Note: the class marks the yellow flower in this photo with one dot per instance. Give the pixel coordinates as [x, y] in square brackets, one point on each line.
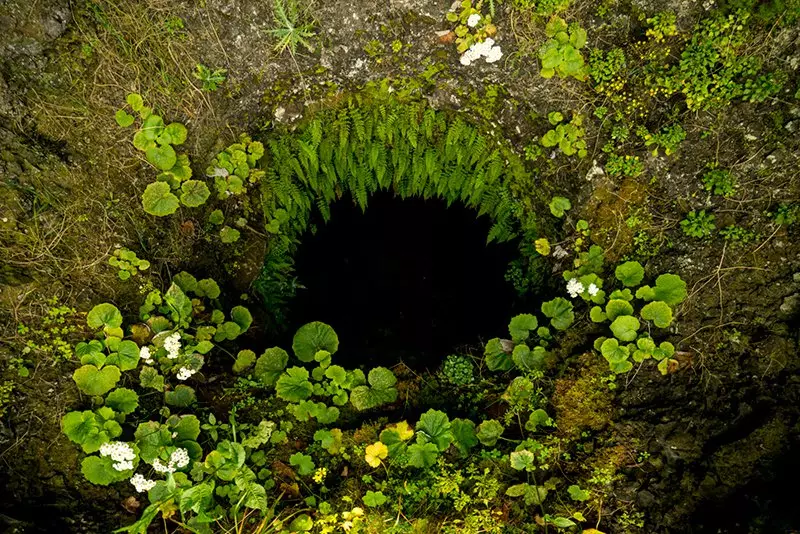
[375, 453]
[320, 474]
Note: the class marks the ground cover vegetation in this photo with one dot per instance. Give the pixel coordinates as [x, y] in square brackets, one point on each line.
[162, 166]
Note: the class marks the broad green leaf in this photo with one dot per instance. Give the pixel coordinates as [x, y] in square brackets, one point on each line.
[135, 101]
[658, 312]
[597, 315]
[158, 200]
[104, 315]
[527, 359]
[270, 365]
[123, 118]
[536, 419]
[126, 357]
[374, 498]
[123, 400]
[381, 378]
[194, 193]
[242, 317]
[181, 397]
[464, 435]
[216, 217]
[522, 460]
[630, 273]
[162, 157]
[559, 310]
[496, 357]
[303, 462]
[314, 337]
[176, 132]
[208, 288]
[149, 378]
[178, 301]
[185, 281]
[422, 455]
[559, 206]
[617, 308]
[520, 326]
[489, 431]
[613, 351]
[244, 360]
[301, 523]
[577, 494]
[94, 381]
[435, 426]
[227, 330]
[229, 235]
[152, 127]
[89, 430]
[100, 470]
[293, 385]
[198, 498]
[669, 288]
[625, 328]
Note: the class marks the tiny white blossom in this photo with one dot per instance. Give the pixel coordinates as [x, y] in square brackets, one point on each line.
[161, 467]
[172, 344]
[473, 20]
[144, 354]
[142, 484]
[180, 458]
[574, 287]
[121, 453]
[184, 373]
[593, 289]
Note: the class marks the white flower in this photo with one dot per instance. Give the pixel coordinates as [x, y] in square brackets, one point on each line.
[473, 20]
[142, 484]
[574, 287]
[173, 345]
[120, 452]
[144, 353]
[184, 373]
[160, 467]
[593, 289]
[179, 457]
[494, 54]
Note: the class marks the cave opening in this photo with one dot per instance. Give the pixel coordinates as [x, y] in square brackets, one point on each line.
[408, 280]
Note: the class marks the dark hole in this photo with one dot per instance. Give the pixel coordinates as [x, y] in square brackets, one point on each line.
[409, 280]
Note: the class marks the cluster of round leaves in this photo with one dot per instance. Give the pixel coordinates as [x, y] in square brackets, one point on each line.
[317, 342]
[236, 165]
[158, 141]
[561, 53]
[567, 136]
[127, 263]
[112, 353]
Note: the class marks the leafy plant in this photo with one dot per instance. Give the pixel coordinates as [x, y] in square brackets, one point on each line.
[698, 224]
[127, 263]
[720, 182]
[236, 167]
[561, 53]
[567, 136]
[288, 29]
[211, 78]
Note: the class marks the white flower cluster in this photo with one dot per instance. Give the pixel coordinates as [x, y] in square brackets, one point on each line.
[120, 452]
[178, 459]
[485, 49]
[473, 20]
[144, 354]
[173, 345]
[184, 373]
[142, 484]
[575, 288]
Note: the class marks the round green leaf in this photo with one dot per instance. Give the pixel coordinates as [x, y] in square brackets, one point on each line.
[270, 365]
[162, 157]
[123, 118]
[521, 326]
[94, 381]
[100, 470]
[126, 357]
[182, 396]
[229, 235]
[158, 200]
[176, 132]
[489, 431]
[123, 400]
[293, 385]
[617, 308]
[314, 337]
[559, 310]
[625, 327]
[659, 312]
[435, 427]
[135, 101]
[194, 193]
[152, 127]
[104, 315]
[630, 273]
[559, 205]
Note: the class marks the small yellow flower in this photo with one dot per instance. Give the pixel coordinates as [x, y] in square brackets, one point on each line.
[403, 430]
[375, 453]
[320, 474]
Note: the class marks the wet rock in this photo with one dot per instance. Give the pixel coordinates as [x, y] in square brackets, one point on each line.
[790, 306]
[645, 499]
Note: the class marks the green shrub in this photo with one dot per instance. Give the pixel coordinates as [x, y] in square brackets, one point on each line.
[698, 224]
[561, 53]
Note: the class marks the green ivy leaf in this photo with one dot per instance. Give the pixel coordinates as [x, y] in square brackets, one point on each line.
[313, 337]
[559, 206]
[162, 157]
[126, 357]
[464, 435]
[229, 235]
[597, 315]
[100, 470]
[123, 118]
[227, 330]
[617, 308]
[158, 200]
[176, 132]
[522, 460]
[497, 359]
[670, 288]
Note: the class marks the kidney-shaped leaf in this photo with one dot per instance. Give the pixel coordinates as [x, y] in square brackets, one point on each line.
[314, 337]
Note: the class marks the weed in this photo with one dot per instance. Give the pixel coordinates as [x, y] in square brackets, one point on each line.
[211, 78]
[698, 224]
[288, 30]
